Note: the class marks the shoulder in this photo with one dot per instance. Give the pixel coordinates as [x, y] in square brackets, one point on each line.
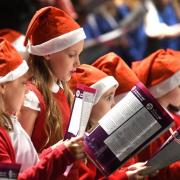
[33, 98]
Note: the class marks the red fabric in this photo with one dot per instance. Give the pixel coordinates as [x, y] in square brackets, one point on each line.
[115, 66]
[38, 135]
[52, 162]
[156, 68]
[176, 119]
[90, 172]
[48, 23]
[7, 153]
[10, 59]
[10, 34]
[64, 108]
[86, 74]
[171, 172]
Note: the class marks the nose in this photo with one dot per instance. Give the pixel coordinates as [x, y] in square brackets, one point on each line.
[113, 103]
[76, 62]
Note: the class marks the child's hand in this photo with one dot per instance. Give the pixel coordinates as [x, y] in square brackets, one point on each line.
[75, 146]
[134, 170]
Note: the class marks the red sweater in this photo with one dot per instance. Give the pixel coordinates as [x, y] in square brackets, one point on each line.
[52, 162]
[171, 172]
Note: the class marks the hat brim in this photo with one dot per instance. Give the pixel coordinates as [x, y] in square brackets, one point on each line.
[104, 85]
[15, 74]
[166, 86]
[58, 43]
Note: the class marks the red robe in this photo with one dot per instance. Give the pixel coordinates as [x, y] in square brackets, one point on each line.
[51, 165]
[171, 172]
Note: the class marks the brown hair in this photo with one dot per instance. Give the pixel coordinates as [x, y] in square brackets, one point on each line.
[42, 77]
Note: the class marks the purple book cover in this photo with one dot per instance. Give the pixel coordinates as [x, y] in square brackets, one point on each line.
[9, 171]
[130, 126]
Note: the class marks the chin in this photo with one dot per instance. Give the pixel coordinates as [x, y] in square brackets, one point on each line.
[67, 78]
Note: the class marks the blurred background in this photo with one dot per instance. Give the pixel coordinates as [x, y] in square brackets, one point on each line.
[131, 28]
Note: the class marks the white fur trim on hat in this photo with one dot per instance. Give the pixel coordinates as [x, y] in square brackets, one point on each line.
[58, 43]
[15, 74]
[18, 44]
[103, 85]
[166, 86]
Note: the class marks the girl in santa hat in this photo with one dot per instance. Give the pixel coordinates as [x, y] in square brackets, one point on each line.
[54, 41]
[106, 87]
[160, 72]
[15, 144]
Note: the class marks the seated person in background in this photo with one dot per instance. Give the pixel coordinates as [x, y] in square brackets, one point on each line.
[160, 72]
[162, 25]
[104, 101]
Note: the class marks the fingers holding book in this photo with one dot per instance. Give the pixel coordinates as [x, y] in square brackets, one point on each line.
[134, 171]
[75, 146]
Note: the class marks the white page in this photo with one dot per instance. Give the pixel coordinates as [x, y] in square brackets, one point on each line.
[76, 114]
[132, 134]
[88, 102]
[120, 113]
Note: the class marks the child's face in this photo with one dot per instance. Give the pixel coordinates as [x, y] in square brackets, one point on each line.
[105, 103]
[65, 62]
[13, 95]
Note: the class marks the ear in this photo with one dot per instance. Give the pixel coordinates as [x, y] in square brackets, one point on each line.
[47, 57]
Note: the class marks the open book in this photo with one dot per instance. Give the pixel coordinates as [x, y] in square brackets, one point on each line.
[126, 129]
[168, 153]
[9, 171]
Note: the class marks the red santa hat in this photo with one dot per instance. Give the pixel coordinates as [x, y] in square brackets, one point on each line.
[93, 77]
[12, 66]
[114, 66]
[52, 30]
[17, 40]
[160, 72]
[174, 52]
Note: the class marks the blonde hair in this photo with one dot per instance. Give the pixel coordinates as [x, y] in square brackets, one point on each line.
[42, 77]
[5, 121]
